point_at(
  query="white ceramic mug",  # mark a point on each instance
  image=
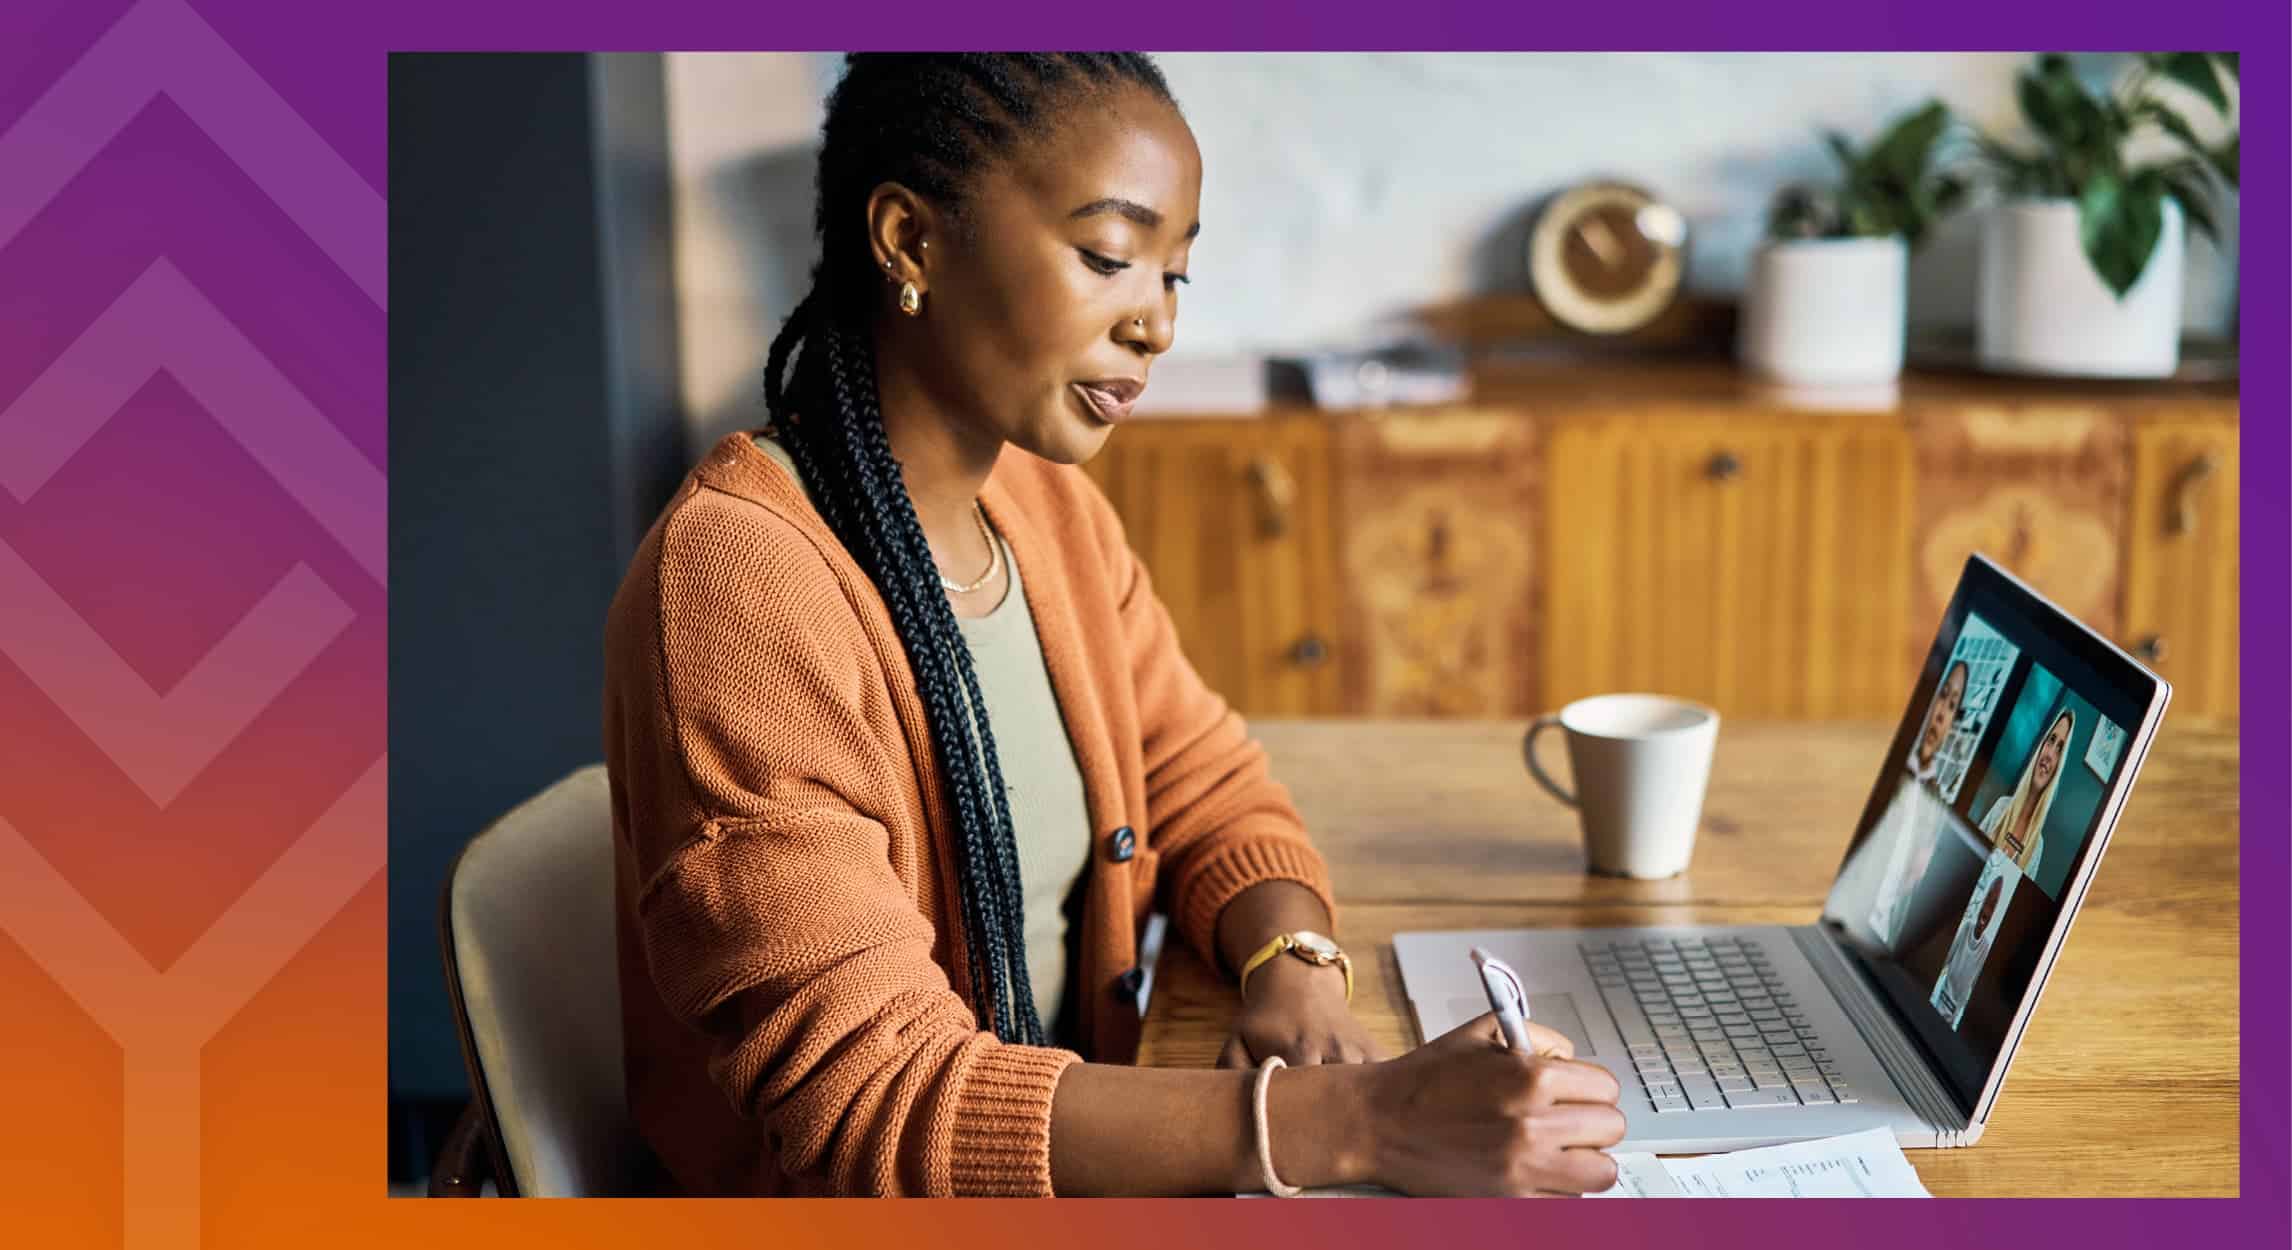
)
(1641, 762)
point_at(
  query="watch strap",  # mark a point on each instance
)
(1280, 943)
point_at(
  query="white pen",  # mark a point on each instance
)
(1505, 997)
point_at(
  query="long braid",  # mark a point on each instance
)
(917, 597)
(930, 122)
(876, 460)
(851, 500)
(776, 362)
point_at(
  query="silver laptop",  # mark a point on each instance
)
(1901, 1006)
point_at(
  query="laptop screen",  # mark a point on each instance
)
(2017, 735)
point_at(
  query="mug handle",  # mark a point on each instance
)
(1528, 749)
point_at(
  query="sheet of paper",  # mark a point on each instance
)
(1869, 1164)
(1641, 1176)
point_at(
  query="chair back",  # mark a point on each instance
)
(528, 919)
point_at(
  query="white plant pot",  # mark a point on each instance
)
(1825, 312)
(2043, 309)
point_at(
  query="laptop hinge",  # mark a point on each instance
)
(1900, 1056)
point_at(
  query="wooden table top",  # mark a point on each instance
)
(2125, 1082)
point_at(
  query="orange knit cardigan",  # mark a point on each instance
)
(793, 981)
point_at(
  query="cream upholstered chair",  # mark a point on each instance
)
(527, 926)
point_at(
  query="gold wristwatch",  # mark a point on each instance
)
(1306, 945)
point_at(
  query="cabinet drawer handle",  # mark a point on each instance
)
(1725, 466)
(2152, 648)
(1276, 491)
(2192, 476)
(1308, 652)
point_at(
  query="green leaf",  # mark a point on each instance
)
(2012, 168)
(2193, 168)
(2081, 132)
(2116, 117)
(1903, 152)
(2227, 62)
(2037, 105)
(2193, 70)
(1889, 188)
(2224, 159)
(2119, 223)
(1799, 213)
(2187, 187)
(2192, 202)
(2175, 125)
(1842, 149)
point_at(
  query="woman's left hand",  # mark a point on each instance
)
(1298, 1011)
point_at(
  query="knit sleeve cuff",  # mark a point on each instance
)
(1232, 869)
(1001, 1144)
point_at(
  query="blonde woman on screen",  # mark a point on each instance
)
(2016, 822)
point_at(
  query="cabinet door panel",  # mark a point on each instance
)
(2038, 488)
(1289, 623)
(1759, 566)
(2181, 561)
(1233, 521)
(1437, 552)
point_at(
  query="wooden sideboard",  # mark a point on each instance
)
(1569, 530)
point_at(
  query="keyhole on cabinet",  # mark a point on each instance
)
(1441, 577)
(2017, 548)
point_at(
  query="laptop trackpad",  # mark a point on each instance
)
(1556, 1012)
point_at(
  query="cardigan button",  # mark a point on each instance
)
(1132, 981)
(1121, 844)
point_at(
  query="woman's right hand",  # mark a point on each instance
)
(1464, 1115)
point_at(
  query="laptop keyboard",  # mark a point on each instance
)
(1710, 1026)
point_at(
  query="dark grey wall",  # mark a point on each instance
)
(534, 432)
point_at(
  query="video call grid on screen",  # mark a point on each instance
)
(2007, 757)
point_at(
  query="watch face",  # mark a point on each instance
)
(1314, 944)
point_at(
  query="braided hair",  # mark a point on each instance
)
(930, 122)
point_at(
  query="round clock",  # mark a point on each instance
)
(1606, 257)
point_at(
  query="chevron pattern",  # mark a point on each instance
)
(168, 742)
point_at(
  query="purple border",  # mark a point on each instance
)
(326, 62)
(2265, 860)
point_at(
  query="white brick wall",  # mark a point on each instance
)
(1342, 186)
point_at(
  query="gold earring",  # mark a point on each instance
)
(910, 299)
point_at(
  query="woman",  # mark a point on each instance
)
(903, 747)
(1941, 718)
(1915, 819)
(2016, 822)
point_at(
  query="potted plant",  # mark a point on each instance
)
(2081, 263)
(1824, 304)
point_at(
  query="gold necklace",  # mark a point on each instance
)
(994, 557)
